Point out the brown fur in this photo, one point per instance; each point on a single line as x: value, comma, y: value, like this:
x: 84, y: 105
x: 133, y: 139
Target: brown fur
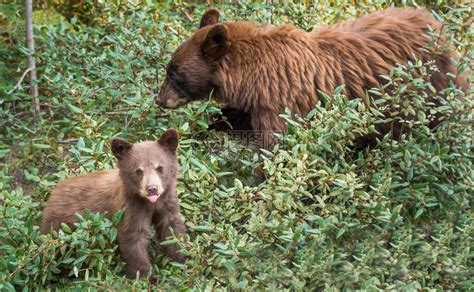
x: 111, y: 191
x: 262, y: 70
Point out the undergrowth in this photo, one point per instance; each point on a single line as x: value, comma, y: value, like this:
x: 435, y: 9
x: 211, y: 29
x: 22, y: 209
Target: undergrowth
x: 393, y: 216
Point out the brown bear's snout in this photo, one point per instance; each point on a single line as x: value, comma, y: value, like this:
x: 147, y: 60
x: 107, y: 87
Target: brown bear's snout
x: 171, y: 103
x: 168, y: 98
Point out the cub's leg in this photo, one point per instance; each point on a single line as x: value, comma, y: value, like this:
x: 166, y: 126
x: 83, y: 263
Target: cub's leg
x: 133, y: 239
x: 53, y: 221
x: 163, y: 223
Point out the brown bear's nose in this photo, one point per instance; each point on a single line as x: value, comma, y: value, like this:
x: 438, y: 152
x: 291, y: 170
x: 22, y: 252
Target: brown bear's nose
x: 152, y: 190
x: 159, y: 102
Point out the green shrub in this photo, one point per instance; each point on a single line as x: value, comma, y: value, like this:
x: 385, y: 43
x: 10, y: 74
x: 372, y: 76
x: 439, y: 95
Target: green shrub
x: 329, y: 216
x: 32, y: 259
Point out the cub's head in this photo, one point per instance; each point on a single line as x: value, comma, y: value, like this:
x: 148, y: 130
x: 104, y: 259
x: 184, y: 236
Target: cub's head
x: 189, y: 74
x: 149, y: 168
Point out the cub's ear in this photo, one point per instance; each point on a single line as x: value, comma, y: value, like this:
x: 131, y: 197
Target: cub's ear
x: 169, y: 140
x: 217, y: 43
x: 120, y: 147
x: 210, y: 17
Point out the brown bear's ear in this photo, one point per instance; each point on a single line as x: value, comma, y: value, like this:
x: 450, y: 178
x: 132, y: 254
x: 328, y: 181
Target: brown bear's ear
x: 210, y: 17
x: 120, y: 147
x: 216, y: 43
x: 169, y: 140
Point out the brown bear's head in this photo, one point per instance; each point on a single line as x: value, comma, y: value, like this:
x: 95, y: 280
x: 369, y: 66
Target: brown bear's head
x: 148, y: 169
x: 189, y: 74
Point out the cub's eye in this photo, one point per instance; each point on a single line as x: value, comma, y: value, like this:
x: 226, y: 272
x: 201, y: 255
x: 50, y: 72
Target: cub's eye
x: 159, y: 169
x: 139, y: 172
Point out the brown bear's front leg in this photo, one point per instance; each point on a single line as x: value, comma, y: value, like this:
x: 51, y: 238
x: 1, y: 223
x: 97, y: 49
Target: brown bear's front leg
x: 266, y: 124
x: 133, y: 240
x: 163, y: 223
x: 235, y: 120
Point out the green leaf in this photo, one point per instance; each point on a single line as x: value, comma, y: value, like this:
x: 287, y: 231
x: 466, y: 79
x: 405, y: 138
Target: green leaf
x: 168, y: 242
x: 74, y: 109
x: 201, y: 228
x: 340, y: 232
x: 66, y: 228
x: 41, y: 146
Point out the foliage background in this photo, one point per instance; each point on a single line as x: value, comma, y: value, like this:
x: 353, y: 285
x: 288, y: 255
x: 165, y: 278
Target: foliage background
x: 395, y: 216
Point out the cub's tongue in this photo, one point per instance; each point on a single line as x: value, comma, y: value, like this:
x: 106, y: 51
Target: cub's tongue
x: 152, y: 199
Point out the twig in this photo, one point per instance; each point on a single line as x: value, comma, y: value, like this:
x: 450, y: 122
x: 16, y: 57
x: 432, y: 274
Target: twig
x: 172, y: 30
x: 24, y: 128
x: 71, y: 142
x: 17, y: 115
x: 49, y: 105
x: 188, y: 17
x: 31, y: 59
x: 19, y: 81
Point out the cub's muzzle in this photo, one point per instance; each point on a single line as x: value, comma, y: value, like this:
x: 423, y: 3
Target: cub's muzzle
x: 152, y: 191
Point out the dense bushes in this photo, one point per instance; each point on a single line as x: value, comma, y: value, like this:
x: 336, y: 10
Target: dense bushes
x: 394, y: 216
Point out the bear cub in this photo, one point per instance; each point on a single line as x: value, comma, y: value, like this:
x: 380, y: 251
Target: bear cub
x: 144, y: 185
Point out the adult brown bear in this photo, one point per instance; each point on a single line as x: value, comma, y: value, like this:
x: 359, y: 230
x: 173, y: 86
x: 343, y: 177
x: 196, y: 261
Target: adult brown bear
x: 258, y: 71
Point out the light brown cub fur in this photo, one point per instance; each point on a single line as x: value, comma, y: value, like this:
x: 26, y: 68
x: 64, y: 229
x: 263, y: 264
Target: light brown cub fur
x: 144, y: 185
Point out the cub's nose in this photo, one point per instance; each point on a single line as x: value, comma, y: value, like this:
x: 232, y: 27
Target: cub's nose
x: 152, y: 190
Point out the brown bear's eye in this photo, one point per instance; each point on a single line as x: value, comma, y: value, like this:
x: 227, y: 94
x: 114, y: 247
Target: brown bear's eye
x: 139, y: 172
x: 159, y: 169
x: 170, y: 69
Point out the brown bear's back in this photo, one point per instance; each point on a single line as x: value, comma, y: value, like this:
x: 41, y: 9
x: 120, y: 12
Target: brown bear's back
x: 98, y: 191
x: 268, y: 69
x: 375, y: 44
